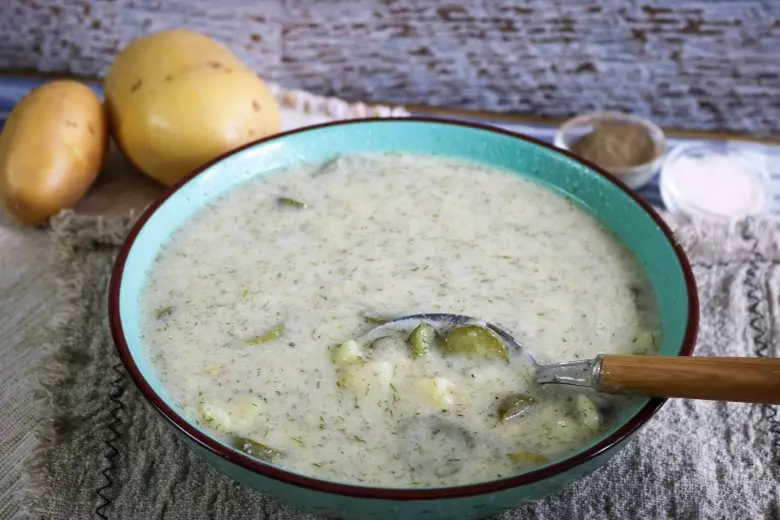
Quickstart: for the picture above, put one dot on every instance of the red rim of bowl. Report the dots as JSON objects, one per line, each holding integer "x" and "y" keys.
{"x": 280, "y": 474}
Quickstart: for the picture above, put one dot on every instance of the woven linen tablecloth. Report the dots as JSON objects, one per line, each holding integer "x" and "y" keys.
{"x": 27, "y": 299}
{"x": 103, "y": 450}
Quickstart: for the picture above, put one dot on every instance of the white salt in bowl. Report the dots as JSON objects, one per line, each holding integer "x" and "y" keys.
{"x": 714, "y": 181}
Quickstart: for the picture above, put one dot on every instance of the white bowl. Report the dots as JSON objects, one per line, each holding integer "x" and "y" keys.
{"x": 717, "y": 198}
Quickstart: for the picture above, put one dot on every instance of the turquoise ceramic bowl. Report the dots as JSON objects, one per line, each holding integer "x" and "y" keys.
{"x": 630, "y": 218}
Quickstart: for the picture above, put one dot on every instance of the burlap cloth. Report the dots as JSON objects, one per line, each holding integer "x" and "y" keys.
{"x": 101, "y": 451}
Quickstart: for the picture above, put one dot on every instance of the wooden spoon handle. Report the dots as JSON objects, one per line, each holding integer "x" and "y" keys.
{"x": 747, "y": 380}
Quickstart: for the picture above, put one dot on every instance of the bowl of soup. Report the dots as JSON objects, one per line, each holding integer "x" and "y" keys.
{"x": 239, "y": 301}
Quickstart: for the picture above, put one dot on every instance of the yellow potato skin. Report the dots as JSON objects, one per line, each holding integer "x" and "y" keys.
{"x": 177, "y": 99}
{"x": 51, "y": 150}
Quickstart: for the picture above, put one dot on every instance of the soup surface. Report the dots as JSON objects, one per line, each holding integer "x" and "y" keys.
{"x": 250, "y": 309}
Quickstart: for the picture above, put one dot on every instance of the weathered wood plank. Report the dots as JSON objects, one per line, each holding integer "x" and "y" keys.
{"x": 687, "y": 64}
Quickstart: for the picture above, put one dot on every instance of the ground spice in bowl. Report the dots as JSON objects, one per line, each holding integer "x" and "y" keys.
{"x": 629, "y": 147}
{"x": 616, "y": 145}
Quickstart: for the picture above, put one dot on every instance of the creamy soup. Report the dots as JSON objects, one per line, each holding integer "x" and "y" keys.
{"x": 254, "y": 314}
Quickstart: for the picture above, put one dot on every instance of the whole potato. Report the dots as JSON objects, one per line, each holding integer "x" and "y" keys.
{"x": 51, "y": 150}
{"x": 177, "y": 99}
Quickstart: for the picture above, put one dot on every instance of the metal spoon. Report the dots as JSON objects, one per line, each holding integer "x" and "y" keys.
{"x": 738, "y": 379}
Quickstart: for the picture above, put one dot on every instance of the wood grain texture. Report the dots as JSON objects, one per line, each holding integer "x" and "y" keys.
{"x": 689, "y": 64}
{"x": 749, "y": 380}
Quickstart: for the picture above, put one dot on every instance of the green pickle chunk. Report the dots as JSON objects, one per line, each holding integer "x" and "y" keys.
{"x": 256, "y": 449}
{"x": 527, "y": 458}
{"x": 474, "y": 341}
{"x": 513, "y": 406}
{"x": 294, "y": 203}
{"x": 163, "y": 312}
{"x": 422, "y": 339}
{"x": 276, "y": 332}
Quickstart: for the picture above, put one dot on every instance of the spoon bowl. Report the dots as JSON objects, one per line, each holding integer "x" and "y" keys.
{"x": 441, "y": 322}
{"x": 749, "y": 380}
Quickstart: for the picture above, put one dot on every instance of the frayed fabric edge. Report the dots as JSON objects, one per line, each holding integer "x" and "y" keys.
{"x": 69, "y": 232}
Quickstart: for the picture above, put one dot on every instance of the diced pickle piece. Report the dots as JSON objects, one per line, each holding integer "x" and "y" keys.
{"x": 347, "y": 353}
{"x": 527, "y": 458}
{"x": 422, "y": 339}
{"x": 163, "y": 312}
{"x": 256, "y": 449}
{"x": 587, "y": 413}
{"x": 276, "y": 332}
{"x": 474, "y": 341}
{"x": 513, "y": 406}
{"x": 295, "y": 203}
